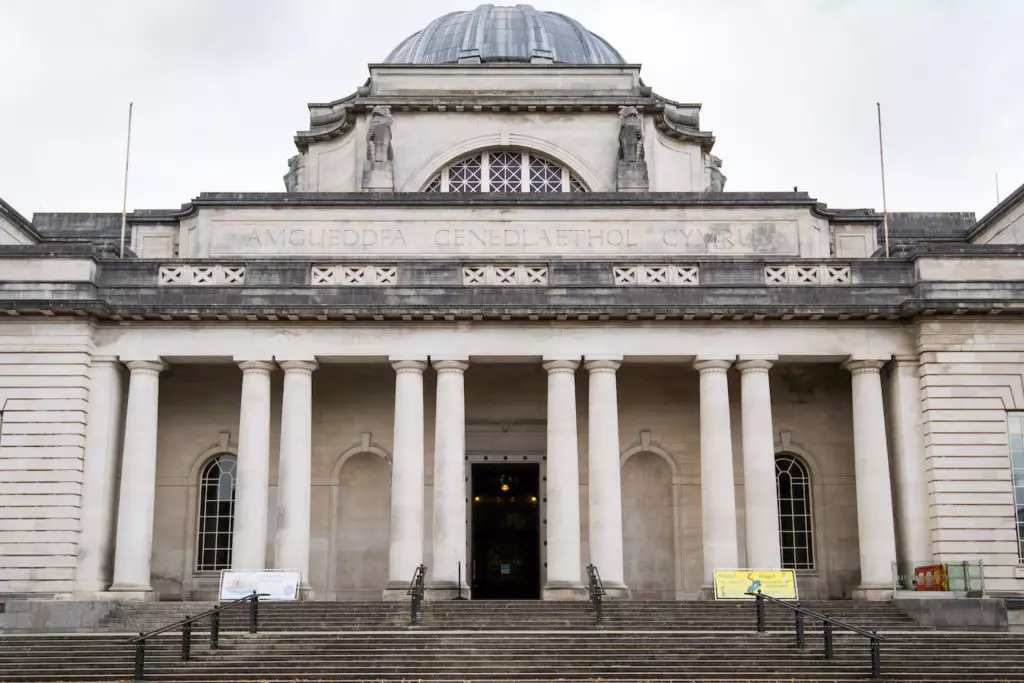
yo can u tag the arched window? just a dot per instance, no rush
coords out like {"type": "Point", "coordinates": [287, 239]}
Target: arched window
{"type": "Point", "coordinates": [505, 170]}
{"type": "Point", "coordinates": [216, 514]}
{"type": "Point", "coordinates": [796, 533]}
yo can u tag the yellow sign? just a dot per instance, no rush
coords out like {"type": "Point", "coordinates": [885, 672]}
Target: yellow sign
{"type": "Point", "coordinates": [734, 584]}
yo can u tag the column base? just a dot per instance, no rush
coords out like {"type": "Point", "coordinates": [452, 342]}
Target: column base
{"type": "Point", "coordinates": [707, 594]}
{"type": "Point", "coordinates": [137, 593]}
{"type": "Point", "coordinates": [306, 593]}
{"type": "Point", "coordinates": [873, 593]}
{"type": "Point", "coordinates": [396, 592]}
{"type": "Point", "coordinates": [446, 590]}
{"type": "Point", "coordinates": [561, 591]}
{"type": "Point", "coordinates": [616, 591]}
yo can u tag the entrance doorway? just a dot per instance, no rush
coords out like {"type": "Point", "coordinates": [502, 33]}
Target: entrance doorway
{"type": "Point", "coordinates": [505, 531]}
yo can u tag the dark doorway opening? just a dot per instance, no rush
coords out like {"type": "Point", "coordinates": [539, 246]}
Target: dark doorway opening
{"type": "Point", "coordinates": [506, 531]}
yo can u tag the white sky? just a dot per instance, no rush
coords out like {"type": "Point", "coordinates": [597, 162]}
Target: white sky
{"type": "Point", "coordinates": [789, 88]}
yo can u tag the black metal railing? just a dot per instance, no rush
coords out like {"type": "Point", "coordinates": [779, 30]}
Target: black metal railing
{"type": "Point", "coordinates": [416, 592]}
{"type": "Point", "coordinates": [595, 589]}
{"type": "Point", "coordinates": [186, 631]}
{"type": "Point", "coordinates": [828, 626]}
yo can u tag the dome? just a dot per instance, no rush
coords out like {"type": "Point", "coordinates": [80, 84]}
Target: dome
{"type": "Point", "coordinates": [504, 34]}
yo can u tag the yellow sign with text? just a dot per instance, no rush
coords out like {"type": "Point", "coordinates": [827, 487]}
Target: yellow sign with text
{"type": "Point", "coordinates": [735, 584]}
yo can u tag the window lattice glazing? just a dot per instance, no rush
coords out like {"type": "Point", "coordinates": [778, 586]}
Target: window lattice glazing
{"type": "Point", "coordinates": [216, 514]}
{"type": "Point", "coordinates": [1015, 423]}
{"type": "Point", "coordinates": [505, 171]}
{"type": "Point", "coordinates": [796, 534]}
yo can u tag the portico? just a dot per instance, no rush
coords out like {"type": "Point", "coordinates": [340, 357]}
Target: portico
{"type": "Point", "coordinates": [580, 435]}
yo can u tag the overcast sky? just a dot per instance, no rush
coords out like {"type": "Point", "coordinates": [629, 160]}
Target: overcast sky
{"type": "Point", "coordinates": [788, 87]}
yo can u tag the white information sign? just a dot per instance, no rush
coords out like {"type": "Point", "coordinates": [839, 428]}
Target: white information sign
{"type": "Point", "coordinates": [280, 584]}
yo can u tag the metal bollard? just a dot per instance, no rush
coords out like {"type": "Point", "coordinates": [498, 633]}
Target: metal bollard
{"type": "Point", "coordinates": [829, 647]}
{"type": "Point", "coordinates": [760, 612]}
{"type": "Point", "coordinates": [140, 660]}
{"type": "Point", "coordinates": [215, 631]}
{"type": "Point", "coordinates": [254, 611]}
{"type": "Point", "coordinates": [876, 657]}
{"type": "Point", "coordinates": [186, 640]}
{"type": "Point", "coordinates": [801, 640]}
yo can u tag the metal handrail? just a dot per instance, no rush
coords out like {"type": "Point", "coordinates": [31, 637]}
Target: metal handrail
{"type": "Point", "coordinates": [416, 591]}
{"type": "Point", "coordinates": [186, 631]}
{"type": "Point", "coordinates": [595, 589]}
{"type": "Point", "coordinates": [828, 623]}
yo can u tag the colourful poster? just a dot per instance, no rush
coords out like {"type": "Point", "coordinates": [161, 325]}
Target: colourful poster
{"type": "Point", "coordinates": [736, 584]}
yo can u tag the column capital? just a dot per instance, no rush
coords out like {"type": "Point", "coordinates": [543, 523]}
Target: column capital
{"type": "Point", "coordinates": [712, 364]}
{"type": "Point", "coordinates": [446, 365]}
{"type": "Point", "coordinates": [257, 366]}
{"type": "Point", "coordinates": [561, 366]}
{"type": "Point", "coordinates": [600, 365]}
{"type": "Point", "coordinates": [745, 365]}
{"type": "Point", "coordinates": [306, 366]}
{"type": "Point", "coordinates": [146, 366]}
{"type": "Point", "coordinates": [863, 365]}
{"type": "Point", "coordinates": [409, 366]}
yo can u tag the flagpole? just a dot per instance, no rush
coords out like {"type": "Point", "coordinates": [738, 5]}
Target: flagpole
{"type": "Point", "coordinates": [881, 159]}
{"type": "Point", "coordinates": [124, 196]}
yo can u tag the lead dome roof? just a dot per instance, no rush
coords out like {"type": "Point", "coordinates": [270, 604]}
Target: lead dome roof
{"type": "Point", "coordinates": [491, 33]}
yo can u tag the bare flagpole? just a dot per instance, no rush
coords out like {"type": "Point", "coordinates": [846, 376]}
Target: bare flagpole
{"type": "Point", "coordinates": [997, 188]}
{"type": "Point", "coordinates": [881, 159]}
{"type": "Point", "coordinates": [124, 196]}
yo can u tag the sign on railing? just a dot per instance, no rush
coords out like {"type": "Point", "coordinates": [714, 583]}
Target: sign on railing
{"type": "Point", "coordinates": [738, 584]}
{"type": "Point", "coordinates": [275, 584]}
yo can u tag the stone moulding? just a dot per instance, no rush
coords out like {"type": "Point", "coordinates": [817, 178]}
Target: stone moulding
{"type": "Point", "coordinates": [201, 275]}
{"type": "Point", "coordinates": [661, 275]}
{"type": "Point", "coordinates": [354, 276]}
{"type": "Point", "coordinates": [807, 274]}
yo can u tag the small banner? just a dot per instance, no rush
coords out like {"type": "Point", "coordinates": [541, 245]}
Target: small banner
{"type": "Point", "coordinates": [734, 584]}
{"type": "Point", "coordinates": [281, 584]}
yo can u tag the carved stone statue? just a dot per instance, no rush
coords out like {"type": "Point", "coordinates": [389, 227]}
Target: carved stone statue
{"type": "Point", "coordinates": [378, 137]}
{"type": "Point", "coordinates": [379, 174]}
{"type": "Point", "coordinates": [631, 135]}
{"type": "Point", "coordinates": [295, 178]}
{"type": "Point", "coordinates": [716, 179]}
{"type": "Point", "coordinates": [632, 167]}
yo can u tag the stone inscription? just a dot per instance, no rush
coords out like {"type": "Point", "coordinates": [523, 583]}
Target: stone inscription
{"type": "Point", "coordinates": [323, 238]}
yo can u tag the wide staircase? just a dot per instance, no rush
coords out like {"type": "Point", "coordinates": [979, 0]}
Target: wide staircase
{"type": "Point", "coordinates": [511, 641]}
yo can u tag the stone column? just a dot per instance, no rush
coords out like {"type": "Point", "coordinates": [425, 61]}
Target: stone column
{"type": "Point", "coordinates": [717, 487]}
{"type": "Point", "coordinates": [605, 484]}
{"type": "Point", "coordinates": [134, 545]}
{"type": "Point", "coordinates": [761, 504]}
{"type": "Point", "coordinates": [875, 532]}
{"type": "Point", "coordinates": [99, 478]}
{"type": "Point", "coordinates": [913, 526]}
{"type": "Point", "coordinates": [563, 484]}
{"type": "Point", "coordinates": [249, 549]}
{"type": "Point", "coordinates": [405, 552]}
{"type": "Point", "coordinates": [291, 547]}
{"type": "Point", "coordinates": [449, 478]}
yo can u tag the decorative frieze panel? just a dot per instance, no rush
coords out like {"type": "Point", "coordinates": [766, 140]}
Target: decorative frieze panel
{"type": "Point", "coordinates": [811, 274]}
{"type": "Point", "coordinates": [205, 275]}
{"type": "Point", "coordinates": [656, 275]}
{"type": "Point", "coordinates": [354, 276]}
{"type": "Point", "coordinates": [505, 276]}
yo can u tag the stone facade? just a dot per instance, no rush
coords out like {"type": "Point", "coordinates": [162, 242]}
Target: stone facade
{"type": "Point", "coordinates": [528, 261]}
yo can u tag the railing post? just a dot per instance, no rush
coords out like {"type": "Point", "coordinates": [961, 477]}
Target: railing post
{"type": "Point", "coordinates": [186, 640]}
{"type": "Point", "coordinates": [140, 659]}
{"type": "Point", "coordinates": [760, 612]}
{"type": "Point", "coordinates": [215, 631]}
{"type": "Point", "coordinates": [829, 646]}
{"type": "Point", "coordinates": [800, 633]}
{"type": "Point", "coordinates": [876, 657]}
{"type": "Point", "coordinates": [254, 612]}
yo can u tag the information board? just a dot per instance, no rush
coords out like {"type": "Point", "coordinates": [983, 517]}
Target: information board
{"type": "Point", "coordinates": [735, 584]}
{"type": "Point", "coordinates": [280, 584]}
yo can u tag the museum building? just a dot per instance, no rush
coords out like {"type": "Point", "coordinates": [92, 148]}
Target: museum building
{"type": "Point", "coordinates": [505, 321]}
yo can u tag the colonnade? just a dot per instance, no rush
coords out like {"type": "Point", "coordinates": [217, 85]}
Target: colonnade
{"type": "Point", "coordinates": [135, 510]}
